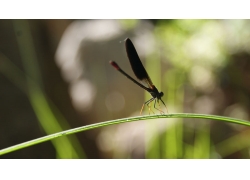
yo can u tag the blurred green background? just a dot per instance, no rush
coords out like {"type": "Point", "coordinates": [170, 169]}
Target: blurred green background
{"type": "Point", "coordinates": [55, 75]}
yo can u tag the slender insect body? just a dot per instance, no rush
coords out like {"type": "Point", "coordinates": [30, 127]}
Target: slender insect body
{"type": "Point", "coordinates": [141, 74]}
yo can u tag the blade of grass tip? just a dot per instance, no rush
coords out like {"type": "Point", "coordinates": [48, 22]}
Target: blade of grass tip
{"type": "Point", "coordinates": [38, 101]}
{"type": "Point", "coordinates": [119, 121]}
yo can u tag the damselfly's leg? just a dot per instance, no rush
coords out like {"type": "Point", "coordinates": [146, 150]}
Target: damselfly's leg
{"type": "Point", "coordinates": [164, 105]}
{"type": "Point", "coordinates": [162, 112]}
{"type": "Point", "coordinates": [149, 106]}
{"type": "Point", "coordinates": [147, 102]}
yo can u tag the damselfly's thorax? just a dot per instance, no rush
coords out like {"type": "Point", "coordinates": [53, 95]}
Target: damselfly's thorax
{"type": "Point", "coordinates": [154, 92]}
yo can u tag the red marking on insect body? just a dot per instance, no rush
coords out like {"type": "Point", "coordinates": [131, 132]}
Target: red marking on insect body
{"type": "Point", "coordinates": [114, 65]}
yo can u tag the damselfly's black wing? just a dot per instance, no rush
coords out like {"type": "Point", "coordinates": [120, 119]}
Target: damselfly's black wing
{"type": "Point", "coordinates": [136, 64]}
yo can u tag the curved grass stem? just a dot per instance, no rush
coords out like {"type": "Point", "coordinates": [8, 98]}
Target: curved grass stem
{"type": "Point", "coordinates": [119, 121]}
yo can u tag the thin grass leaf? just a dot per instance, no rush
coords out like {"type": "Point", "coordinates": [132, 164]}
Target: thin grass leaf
{"type": "Point", "coordinates": [119, 121]}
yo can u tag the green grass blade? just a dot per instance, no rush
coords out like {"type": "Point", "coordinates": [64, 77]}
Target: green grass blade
{"type": "Point", "coordinates": [119, 121]}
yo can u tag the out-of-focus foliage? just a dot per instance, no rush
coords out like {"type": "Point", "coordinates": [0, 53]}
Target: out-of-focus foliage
{"type": "Point", "coordinates": [197, 53]}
